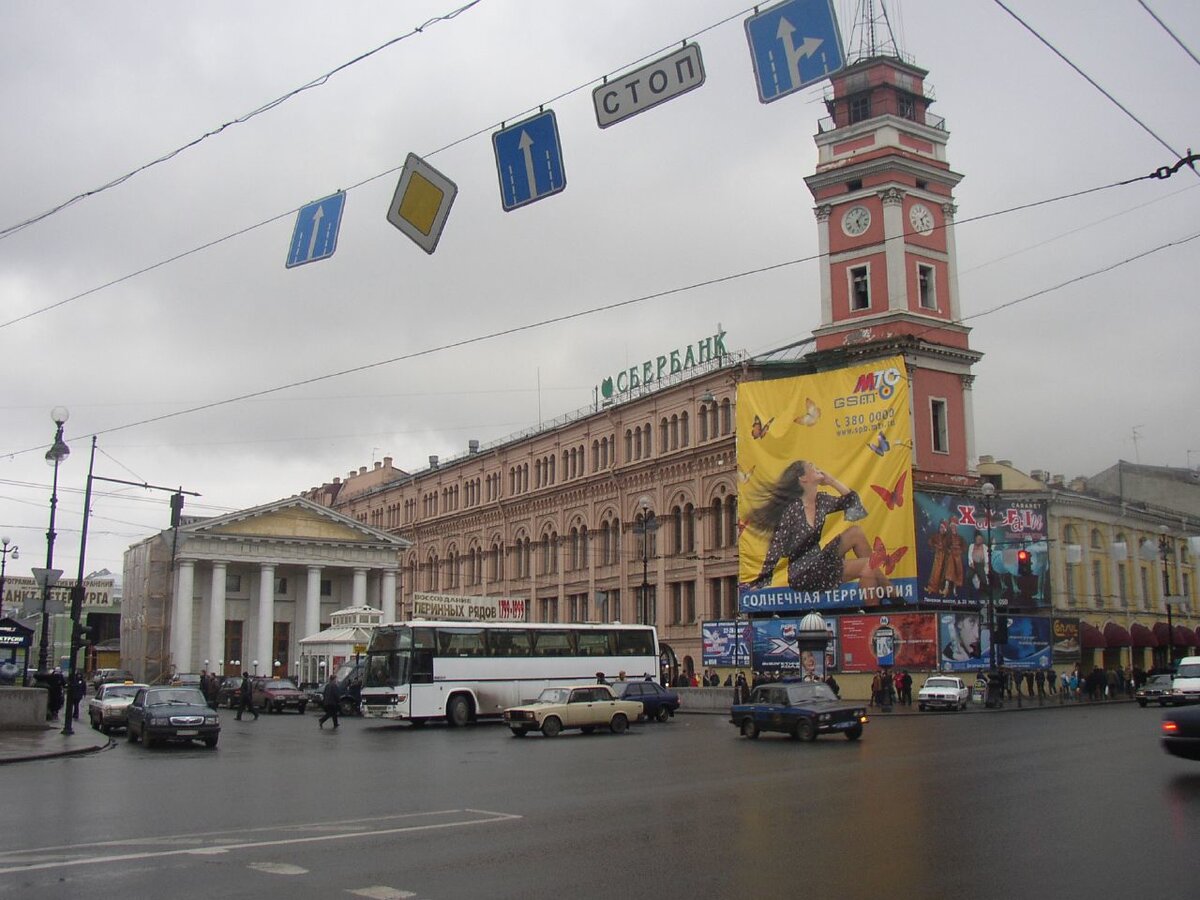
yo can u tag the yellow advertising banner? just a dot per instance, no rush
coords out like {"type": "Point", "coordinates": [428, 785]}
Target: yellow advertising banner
{"type": "Point", "coordinates": [825, 490]}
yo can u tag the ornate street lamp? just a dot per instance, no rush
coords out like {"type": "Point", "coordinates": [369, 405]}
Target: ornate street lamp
{"type": "Point", "coordinates": [4, 565]}
{"type": "Point", "coordinates": [646, 525]}
{"type": "Point", "coordinates": [1166, 548]}
{"type": "Point", "coordinates": [57, 453]}
{"type": "Point", "coordinates": [994, 692]}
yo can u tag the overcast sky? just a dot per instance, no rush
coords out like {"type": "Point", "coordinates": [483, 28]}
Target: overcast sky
{"type": "Point", "coordinates": [703, 187]}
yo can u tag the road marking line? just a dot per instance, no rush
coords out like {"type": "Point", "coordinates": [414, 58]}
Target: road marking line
{"type": "Point", "coordinates": [272, 868]}
{"type": "Point", "coordinates": [283, 842]}
{"type": "Point", "coordinates": [382, 892]}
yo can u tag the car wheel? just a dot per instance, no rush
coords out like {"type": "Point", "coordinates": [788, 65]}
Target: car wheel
{"type": "Point", "coordinates": [519, 732]}
{"type": "Point", "coordinates": [806, 731]}
{"type": "Point", "coordinates": [150, 742]}
{"type": "Point", "coordinates": [619, 724]}
{"type": "Point", "coordinates": [1142, 704]}
{"type": "Point", "coordinates": [853, 734]}
{"type": "Point", "coordinates": [211, 742]}
{"type": "Point", "coordinates": [663, 714]}
{"type": "Point", "coordinates": [131, 735]}
{"type": "Point", "coordinates": [105, 728]}
{"type": "Point", "coordinates": [301, 707]}
{"type": "Point", "coordinates": [749, 729]}
{"type": "Point", "coordinates": [552, 726]}
{"type": "Point", "coordinates": [921, 707]}
{"type": "Point", "coordinates": [962, 706]}
{"type": "Point", "coordinates": [458, 711]}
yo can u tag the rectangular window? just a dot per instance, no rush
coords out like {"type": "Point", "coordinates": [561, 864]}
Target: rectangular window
{"type": "Point", "coordinates": [461, 642]}
{"type": "Point", "coordinates": [1122, 583]}
{"type": "Point", "coordinates": [281, 638]}
{"type": "Point", "coordinates": [553, 643]}
{"type": "Point", "coordinates": [596, 643]}
{"type": "Point", "coordinates": [326, 587]}
{"type": "Point", "coordinates": [860, 287]}
{"type": "Point", "coordinates": [1097, 578]}
{"type": "Point", "coordinates": [939, 422]}
{"type": "Point", "coordinates": [1145, 588]}
{"type": "Point", "coordinates": [233, 645]}
{"type": "Point", "coordinates": [635, 642]}
{"type": "Point", "coordinates": [281, 586]}
{"type": "Point", "coordinates": [926, 287]}
{"type": "Point", "coordinates": [860, 109]}
{"type": "Point", "coordinates": [510, 643]}
{"type": "Point", "coordinates": [233, 583]}
{"type": "Point", "coordinates": [906, 108]}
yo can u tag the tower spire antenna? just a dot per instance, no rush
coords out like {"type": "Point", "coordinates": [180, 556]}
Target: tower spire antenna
{"type": "Point", "coordinates": [872, 34]}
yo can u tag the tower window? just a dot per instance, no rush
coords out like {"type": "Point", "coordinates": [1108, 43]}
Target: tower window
{"type": "Point", "coordinates": [938, 417]}
{"type": "Point", "coordinates": [860, 109]}
{"type": "Point", "coordinates": [854, 184]}
{"type": "Point", "coordinates": [926, 287]}
{"type": "Point", "coordinates": [906, 108]}
{"type": "Point", "coordinates": [860, 287]}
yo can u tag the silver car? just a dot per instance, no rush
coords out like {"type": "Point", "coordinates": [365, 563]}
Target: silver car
{"type": "Point", "coordinates": [109, 708]}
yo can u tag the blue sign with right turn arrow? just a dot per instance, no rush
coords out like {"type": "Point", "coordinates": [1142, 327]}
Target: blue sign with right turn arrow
{"type": "Point", "coordinates": [529, 160]}
{"type": "Point", "coordinates": [793, 45]}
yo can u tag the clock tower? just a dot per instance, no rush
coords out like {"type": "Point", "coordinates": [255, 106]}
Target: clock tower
{"type": "Point", "coordinates": [889, 279]}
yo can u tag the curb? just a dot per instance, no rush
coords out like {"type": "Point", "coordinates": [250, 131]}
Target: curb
{"type": "Point", "coordinates": [56, 754]}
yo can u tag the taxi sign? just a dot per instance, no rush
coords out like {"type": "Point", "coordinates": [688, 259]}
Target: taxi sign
{"type": "Point", "coordinates": [422, 202]}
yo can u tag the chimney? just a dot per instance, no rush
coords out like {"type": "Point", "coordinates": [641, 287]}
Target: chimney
{"type": "Point", "coordinates": [986, 460]}
{"type": "Point", "coordinates": [1004, 462]}
{"type": "Point", "coordinates": [378, 464]}
{"type": "Point", "coordinates": [362, 470]}
{"type": "Point", "coordinates": [433, 462]}
{"type": "Point", "coordinates": [387, 462]}
{"type": "Point", "coordinates": [472, 446]}
{"type": "Point", "coordinates": [337, 480]}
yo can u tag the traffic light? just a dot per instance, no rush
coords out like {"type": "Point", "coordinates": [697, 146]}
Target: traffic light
{"type": "Point", "coordinates": [1024, 562]}
{"type": "Point", "coordinates": [81, 634]}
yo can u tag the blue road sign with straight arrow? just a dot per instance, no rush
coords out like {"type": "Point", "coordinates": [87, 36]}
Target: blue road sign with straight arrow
{"type": "Point", "coordinates": [316, 233]}
{"type": "Point", "coordinates": [529, 160]}
{"type": "Point", "coordinates": [793, 45]}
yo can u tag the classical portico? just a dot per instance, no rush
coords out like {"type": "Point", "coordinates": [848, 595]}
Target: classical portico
{"type": "Point", "coordinates": [246, 587]}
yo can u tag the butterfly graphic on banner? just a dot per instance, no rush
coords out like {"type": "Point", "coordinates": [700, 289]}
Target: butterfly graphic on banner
{"type": "Point", "coordinates": [745, 477]}
{"type": "Point", "coordinates": [758, 430]}
{"type": "Point", "coordinates": [881, 559]}
{"type": "Point", "coordinates": [812, 413]}
{"type": "Point", "coordinates": [880, 445]}
{"type": "Point", "coordinates": [893, 498]}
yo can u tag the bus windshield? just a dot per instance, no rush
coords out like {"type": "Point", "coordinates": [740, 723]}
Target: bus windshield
{"type": "Point", "coordinates": [387, 668]}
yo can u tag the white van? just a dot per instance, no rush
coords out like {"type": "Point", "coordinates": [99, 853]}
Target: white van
{"type": "Point", "coordinates": [1185, 688]}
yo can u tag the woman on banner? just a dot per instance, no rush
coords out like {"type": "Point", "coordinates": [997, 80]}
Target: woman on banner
{"type": "Point", "coordinates": [793, 513]}
{"type": "Point", "coordinates": [964, 643]}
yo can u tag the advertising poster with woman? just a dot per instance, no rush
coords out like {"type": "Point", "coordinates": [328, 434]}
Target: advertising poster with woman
{"type": "Point", "coordinates": [825, 499]}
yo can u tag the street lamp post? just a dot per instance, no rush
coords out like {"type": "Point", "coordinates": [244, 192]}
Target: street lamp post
{"type": "Point", "coordinates": [57, 453]}
{"type": "Point", "coordinates": [994, 692]}
{"type": "Point", "coordinates": [646, 526]}
{"type": "Point", "coordinates": [77, 592]}
{"type": "Point", "coordinates": [4, 565]}
{"type": "Point", "coordinates": [1165, 549]}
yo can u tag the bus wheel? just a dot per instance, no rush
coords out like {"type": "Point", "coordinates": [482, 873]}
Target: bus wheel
{"type": "Point", "coordinates": [458, 711]}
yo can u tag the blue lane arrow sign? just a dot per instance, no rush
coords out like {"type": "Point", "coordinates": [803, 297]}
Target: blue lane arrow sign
{"type": "Point", "coordinates": [316, 233]}
{"type": "Point", "coordinates": [793, 45]}
{"type": "Point", "coordinates": [529, 160]}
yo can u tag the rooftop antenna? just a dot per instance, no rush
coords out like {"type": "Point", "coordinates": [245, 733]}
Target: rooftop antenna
{"type": "Point", "coordinates": [872, 34]}
{"type": "Point", "coordinates": [1136, 436]}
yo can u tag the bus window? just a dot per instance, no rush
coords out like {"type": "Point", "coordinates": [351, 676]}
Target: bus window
{"type": "Point", "coordinates": [553, 643]}
{"type": "Point", "coordinates": [461, 642]}
{"type": "Point", "coordinates": [635, 642]}
{"type": "Point", "coordinates": [423, 639]}
{"type": "Point", "coordinates": [510, 642]}
{"type": "Point", "coordinates": [596, 643]}
{"type": "Point", "coordinates": [422, 667]}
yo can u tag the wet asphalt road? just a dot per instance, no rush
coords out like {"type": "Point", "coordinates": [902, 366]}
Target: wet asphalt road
{"type": "Point", "coordinates": [1070, 803]}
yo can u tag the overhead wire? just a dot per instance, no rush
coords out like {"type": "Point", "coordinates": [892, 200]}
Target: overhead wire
{"type": "Point", "coordinates": [245, 117]}
{"type": "Point", "coordinates": [1163, 25]}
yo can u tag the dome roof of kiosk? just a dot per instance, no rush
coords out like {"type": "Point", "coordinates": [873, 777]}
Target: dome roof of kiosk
{"type": "Point", "coordinates": [813, 623]}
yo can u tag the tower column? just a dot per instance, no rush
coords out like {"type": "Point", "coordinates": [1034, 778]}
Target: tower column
{"type": "Point", "coordinates": [216, 619]}
{"type": "Point", "coordinates": [823, 212]}
{"type": "Point", "coordinates": [893, 246]}
{"type": "Point", "coordinates": [948, 211]}
{"type": "Point", "coordinates": [968, 382]}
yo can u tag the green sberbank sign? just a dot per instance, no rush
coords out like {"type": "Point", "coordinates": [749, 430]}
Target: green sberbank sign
{"type": "Point", "coordinates": [708, 350]}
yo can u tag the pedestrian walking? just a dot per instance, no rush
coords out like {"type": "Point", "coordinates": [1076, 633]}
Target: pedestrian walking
{"type": "Point", "coordinates": [246, 693]}
{"type": "Point", "coordinates": [331, 699]}
{"type": "Point", "coordinates": [78, 690]}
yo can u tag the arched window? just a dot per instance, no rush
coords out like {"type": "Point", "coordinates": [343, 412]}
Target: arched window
{"type": "Point", "coordinates": [674, 434]}
{"type": "Point", "coordinates": [689, 528]}
{"type": "Point", "coordinates": [726, 417]}
{"type": "Point", "coordinates": [649, 443]}
{"type": "Point", "coordinates": [703, 423]}
{"type": "Point", "coordinates": [685, 438]}
{"type": "Point", "coordinates": [718, 524]}
{"type": "Point", "coordinates": [664, 434]}
{"type": "Point", "coordinates": [629, 444]}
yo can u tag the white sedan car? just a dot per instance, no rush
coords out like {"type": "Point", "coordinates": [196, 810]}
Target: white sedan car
{"type": "Point", "coordinates": [944, 691]}
{"type": "Point", "coordinates": [110, 707]}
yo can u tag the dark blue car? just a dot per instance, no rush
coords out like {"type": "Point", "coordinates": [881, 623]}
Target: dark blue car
{"type": "Point", "coordinates": [658, 702]}
{"type": "Point", "coordinates": [800, 709]}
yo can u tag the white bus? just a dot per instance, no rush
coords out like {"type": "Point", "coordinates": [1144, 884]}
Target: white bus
{"type": "Point", "coordinates": [463, 671]}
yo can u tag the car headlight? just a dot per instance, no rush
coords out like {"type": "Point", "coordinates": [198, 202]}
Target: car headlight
{"type": "Point", "coordinates": [825, 717]}
{"type": "Point", "coordinates": [210, 720]}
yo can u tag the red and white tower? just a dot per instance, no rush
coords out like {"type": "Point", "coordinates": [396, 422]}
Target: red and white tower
{"type": "Point", "coordinates": [889, 279]}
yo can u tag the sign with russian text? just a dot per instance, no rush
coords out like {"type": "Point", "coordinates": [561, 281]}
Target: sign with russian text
{"type": "Point", "coordinates": [705, 351]}
{"type": "Point", "coordinates": [469, 609]}
{"type": "Point", "coordinates": [25, 593]}
{"type": "Point", "coordinates": [623, 96]}
{"type": "Point", "coordinates": [1065, 638]}
{"type": "Point", "coordinates": [953, 564]}
{"type": "Point", "coordinates": [825, 465]}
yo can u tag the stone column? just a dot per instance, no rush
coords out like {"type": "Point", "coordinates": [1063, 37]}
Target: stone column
{"type": "Point", "coordinates": [823, 213]}
{"type": "Point", "coordinates": [968, 396]}
{"type": "Point", "coordinates": [948, 211]}
{"type": "Point", "coordinates": [216, 620]}
{"type": "Point", "coordinates": [181, 616]}
{"type": "Point", "coordinates": [893, 244]}
{"type": "Point", "coordinates": [266, 619]}
{"type": "Point", "coordinates": [311, 623]}
{"type": "Point", "coordinates": [387, 595]}
{"type": "Point", "coordinates": [358, 594]}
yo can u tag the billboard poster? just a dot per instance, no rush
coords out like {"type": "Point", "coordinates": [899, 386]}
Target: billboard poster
{"type": "Point", "coordinates": [1065, 633]}
{"type": "Point", "coordinates": [722, 645]}
{"type": "Point", "coordinates": [953, 564]}
{"type": "Point", "coordinates": [1029, 644]}
{"type": "Point", "coordinates": [964, 642]}
{"type": "Point", "coordinates": [902, 640]}
{"type": "Point", "coordinates": [825, 463]}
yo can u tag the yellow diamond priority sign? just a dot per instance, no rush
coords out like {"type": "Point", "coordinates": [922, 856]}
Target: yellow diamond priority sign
{"type": "Point", "coordinates": [422, 202]}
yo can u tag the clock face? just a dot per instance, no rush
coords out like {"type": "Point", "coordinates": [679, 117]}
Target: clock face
{"type": "Point", "coordinates": [920, 218]}
{"type": "Point", "coordinates": [856, 220]}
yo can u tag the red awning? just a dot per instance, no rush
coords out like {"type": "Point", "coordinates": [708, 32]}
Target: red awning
{"type": "Point", "coordinates": [1184, 637]}
{"type": "Point", "coordinates": [1090, 637]}
{"type": "Point", "coordinates": [1160, 633]}
{"type": "Point", "coordinates": [1141, 636]}
{"type": "Point", "coordinates": [1116, 636]}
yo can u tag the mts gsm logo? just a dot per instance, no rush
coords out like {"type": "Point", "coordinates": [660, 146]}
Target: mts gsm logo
{"type": "Point", "coordinates": [871, 387]}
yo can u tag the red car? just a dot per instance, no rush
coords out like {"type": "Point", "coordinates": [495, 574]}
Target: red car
{"type": "Point", "coordinates": [276, 695]}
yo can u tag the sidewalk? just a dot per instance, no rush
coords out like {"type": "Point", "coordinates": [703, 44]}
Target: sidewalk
{"type": "Point", "coordinates": [24, 744]}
